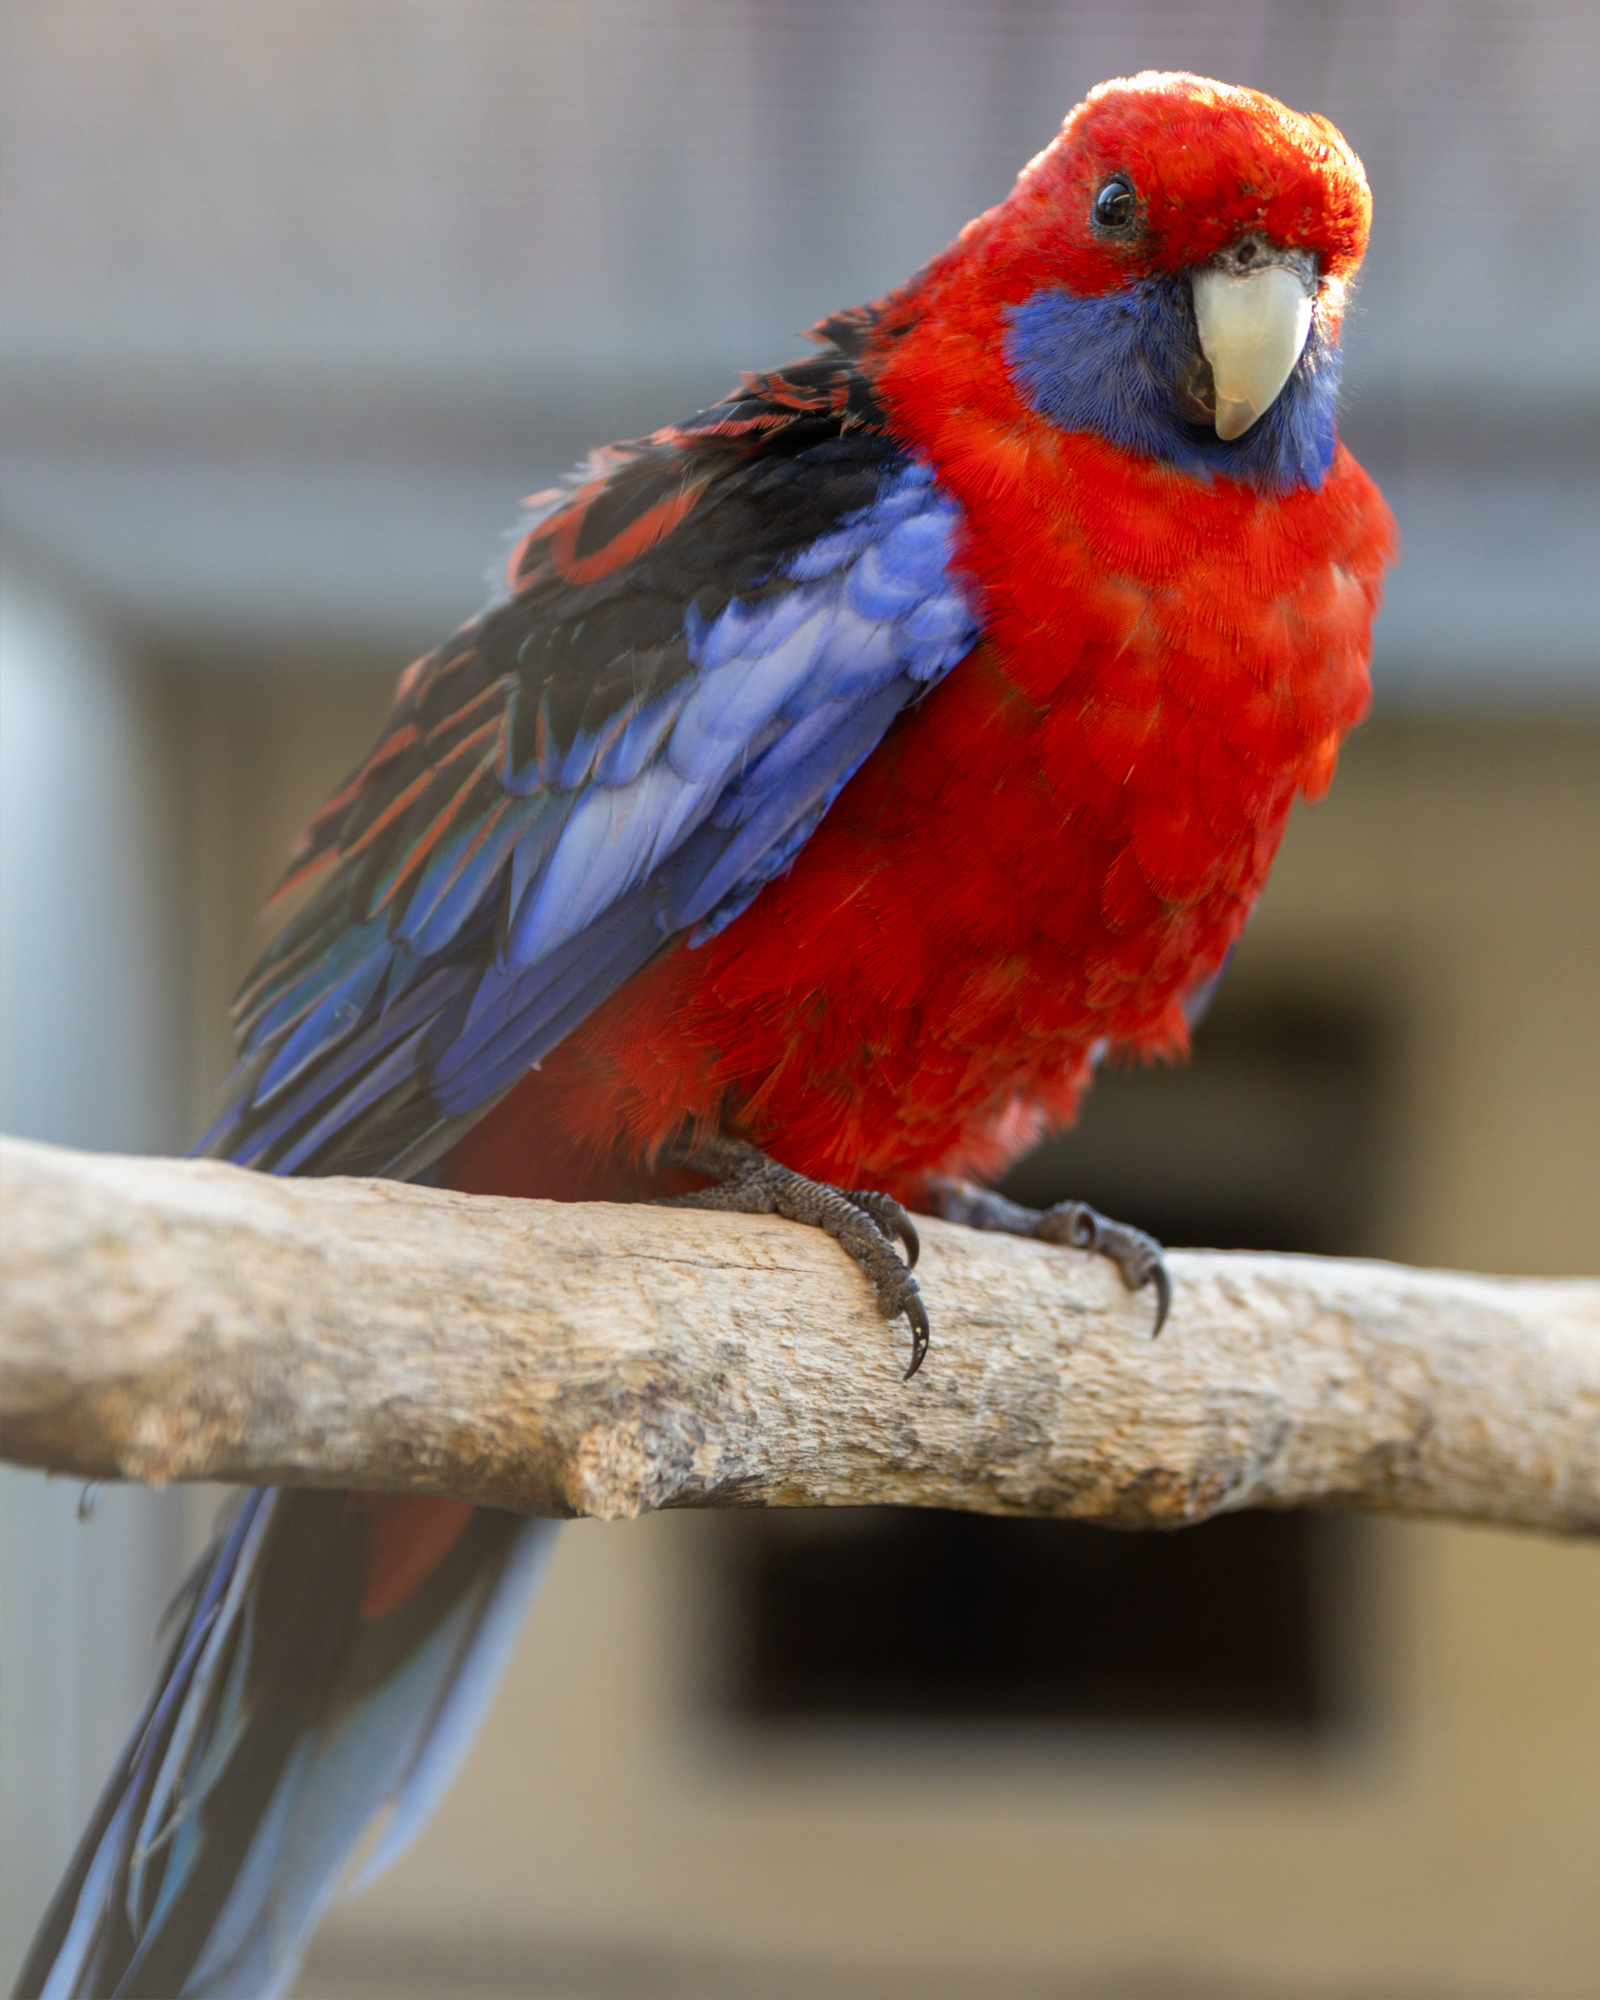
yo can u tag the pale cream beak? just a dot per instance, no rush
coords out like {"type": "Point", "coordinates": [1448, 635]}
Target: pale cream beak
{"type": "Point", "coordinates": [1253, 327]}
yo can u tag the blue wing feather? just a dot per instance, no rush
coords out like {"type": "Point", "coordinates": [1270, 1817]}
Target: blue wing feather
{"type": "Point", "coordinates": [640, 797]}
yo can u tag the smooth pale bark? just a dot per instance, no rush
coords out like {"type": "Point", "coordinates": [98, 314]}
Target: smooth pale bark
{"type": "Point", "coordinates": [171, 1320]}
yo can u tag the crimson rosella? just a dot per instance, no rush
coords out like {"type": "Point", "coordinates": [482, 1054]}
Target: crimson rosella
{"type": "Point", "coordinates": [843, 772]}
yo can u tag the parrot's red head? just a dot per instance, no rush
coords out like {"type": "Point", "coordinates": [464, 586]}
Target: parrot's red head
{"type": "Point", "coordinates": [1169, 274]}
{"type": "Point", "coordinates": [1164, 172]}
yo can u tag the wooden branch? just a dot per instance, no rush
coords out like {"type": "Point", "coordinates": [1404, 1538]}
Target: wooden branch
{"type": "Point", "coordinates": [177, 1320]}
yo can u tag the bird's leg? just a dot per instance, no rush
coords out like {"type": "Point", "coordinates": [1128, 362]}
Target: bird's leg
{"type": "Point", "coordinates": [1137, 1256]}
{"type": "Point", "coordinates": [862, 1222]}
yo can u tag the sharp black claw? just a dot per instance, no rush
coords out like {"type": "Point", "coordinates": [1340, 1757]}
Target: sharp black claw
{"type": "Point", "coordinates": [906, 1230]}
{"type": "Point", "coordinates": [921, 1333]}
{"type": "Point", "coordinates": [891, 1218]}
{"type": "Point", "coordinates": [1163, 1284]}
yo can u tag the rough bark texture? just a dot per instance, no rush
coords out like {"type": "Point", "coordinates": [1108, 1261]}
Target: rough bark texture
{"type": "Point", "coordinates": [174, 1320]}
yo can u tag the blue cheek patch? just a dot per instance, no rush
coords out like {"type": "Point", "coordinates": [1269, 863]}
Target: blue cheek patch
{"type": "Point", "coordinates": [1113, 364]}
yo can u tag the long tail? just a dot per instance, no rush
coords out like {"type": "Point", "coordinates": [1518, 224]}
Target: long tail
{"type": "Point", "coordinates": [335, 1657]}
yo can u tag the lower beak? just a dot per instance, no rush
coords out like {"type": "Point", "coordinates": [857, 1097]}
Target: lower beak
{"type": "Point", "coordinates": [1253, 327]}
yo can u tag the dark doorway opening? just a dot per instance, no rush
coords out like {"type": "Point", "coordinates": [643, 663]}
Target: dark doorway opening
{"type": "Point", "coordinates": [902, 1612]}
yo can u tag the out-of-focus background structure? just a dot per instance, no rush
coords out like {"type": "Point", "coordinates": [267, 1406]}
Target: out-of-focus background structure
{"type": "Point", "coordinates": [300, 296]}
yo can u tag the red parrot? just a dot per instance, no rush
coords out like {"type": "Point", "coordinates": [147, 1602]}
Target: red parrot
{"type": "Point", "coordinates": [843, 773]}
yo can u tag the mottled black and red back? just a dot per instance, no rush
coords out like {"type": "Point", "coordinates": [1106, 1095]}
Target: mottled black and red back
{"type": "Point", "coordinates": [629, 498]}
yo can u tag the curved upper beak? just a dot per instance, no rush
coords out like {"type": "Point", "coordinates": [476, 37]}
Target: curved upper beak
{"type": "Point", "coordinates": [1253, 326]}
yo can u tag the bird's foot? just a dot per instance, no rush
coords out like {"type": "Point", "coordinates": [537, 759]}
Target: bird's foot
{"type": "Point", "coordinates": [861, 1221]}
{"type": "Point", "coordinates": [1137, 1256]}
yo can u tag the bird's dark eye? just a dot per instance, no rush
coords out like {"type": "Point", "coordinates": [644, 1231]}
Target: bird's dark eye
{"type": "Point", "coordinates": [1115, 206]}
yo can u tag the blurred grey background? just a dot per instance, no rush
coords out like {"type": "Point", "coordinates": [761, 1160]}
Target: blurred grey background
{"type": "Point", "coordinates": [298, 298]}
